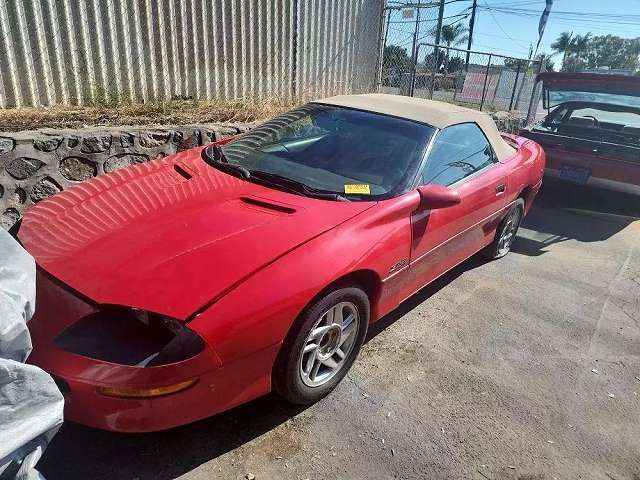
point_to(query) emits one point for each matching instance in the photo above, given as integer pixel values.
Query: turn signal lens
(126, 392)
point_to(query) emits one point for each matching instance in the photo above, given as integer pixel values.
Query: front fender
(258, 313)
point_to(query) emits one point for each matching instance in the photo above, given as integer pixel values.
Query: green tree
(549, 66)
(395, 62)
(395, 56)
(574, 64)
(452, 36)
(580, 44)
(633, 50)
(563, 45)
(512, 63)
(613, 52)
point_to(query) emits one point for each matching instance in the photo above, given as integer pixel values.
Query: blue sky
(511, 34)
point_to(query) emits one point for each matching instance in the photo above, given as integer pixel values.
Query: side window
(457, 152)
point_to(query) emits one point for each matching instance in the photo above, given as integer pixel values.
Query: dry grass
(174, 112)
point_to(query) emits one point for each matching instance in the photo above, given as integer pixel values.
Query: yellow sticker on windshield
(362, 189)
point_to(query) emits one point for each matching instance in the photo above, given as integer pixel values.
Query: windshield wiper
(296, 186)
(214, 155)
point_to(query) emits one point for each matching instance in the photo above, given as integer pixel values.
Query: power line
(412, 22)
(500, 36)
(500, 26)
(587, 18)
(564, 13)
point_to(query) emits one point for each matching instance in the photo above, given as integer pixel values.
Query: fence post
(515, 85)
(415, 53)
(435, 48)
(383, 42)
(532, 101)
(470, 39)
(484, 87)
(413, 79)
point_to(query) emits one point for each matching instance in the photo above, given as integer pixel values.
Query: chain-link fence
(405, 27)
(414, 65)
(111, 51)
(476, 79)
(479, 80)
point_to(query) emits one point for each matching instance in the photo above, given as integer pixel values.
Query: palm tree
(452, 36)
(580, 43)
(564, 45)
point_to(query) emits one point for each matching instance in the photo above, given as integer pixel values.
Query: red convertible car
(173, 290)
(591, 134)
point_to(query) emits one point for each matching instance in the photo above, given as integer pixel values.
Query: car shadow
(564, 211)
(423, 294)
(83, 452)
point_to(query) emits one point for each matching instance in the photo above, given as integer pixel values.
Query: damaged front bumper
(111, 393)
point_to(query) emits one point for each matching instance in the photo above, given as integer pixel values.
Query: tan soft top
(431, 112)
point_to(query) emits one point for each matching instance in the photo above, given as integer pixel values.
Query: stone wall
(37, 164)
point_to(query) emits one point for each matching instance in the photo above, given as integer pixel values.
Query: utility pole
(472, 22)
(435, 49)
(414, 54)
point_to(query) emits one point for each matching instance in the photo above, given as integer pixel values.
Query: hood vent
(182, 172)
(267, 205)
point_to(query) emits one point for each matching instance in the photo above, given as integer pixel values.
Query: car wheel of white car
(322, 346)
(507, 231)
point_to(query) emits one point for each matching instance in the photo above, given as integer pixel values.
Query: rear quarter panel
(526, 169)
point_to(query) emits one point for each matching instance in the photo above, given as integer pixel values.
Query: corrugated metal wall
(86, 51)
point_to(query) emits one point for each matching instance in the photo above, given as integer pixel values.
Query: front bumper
(217, 387)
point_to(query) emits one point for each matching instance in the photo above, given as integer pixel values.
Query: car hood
(170, 236)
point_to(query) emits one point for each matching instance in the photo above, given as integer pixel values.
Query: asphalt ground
(523, 368)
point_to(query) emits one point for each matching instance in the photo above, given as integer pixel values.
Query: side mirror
(437, 196)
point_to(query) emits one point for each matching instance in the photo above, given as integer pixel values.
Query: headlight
(128, 336)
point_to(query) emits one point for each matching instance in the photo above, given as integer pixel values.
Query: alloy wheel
(508, 233)
(329, 344)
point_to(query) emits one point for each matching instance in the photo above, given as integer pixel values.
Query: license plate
(575, 174)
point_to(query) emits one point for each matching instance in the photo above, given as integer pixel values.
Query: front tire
(322, 346)
(507, 231)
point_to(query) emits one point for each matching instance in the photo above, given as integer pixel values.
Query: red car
(591, 134)
(173, 290)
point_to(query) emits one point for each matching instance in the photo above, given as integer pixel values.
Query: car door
(462, 159)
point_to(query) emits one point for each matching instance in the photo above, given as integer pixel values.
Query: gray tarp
(30, 403)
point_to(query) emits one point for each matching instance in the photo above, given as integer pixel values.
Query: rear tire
(321, 346)
(507, 231)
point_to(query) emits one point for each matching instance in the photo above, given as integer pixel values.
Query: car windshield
(358, 154)
(595, 121)
(603, 116)
(557, 97)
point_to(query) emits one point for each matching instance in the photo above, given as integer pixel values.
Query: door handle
(500, 189)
